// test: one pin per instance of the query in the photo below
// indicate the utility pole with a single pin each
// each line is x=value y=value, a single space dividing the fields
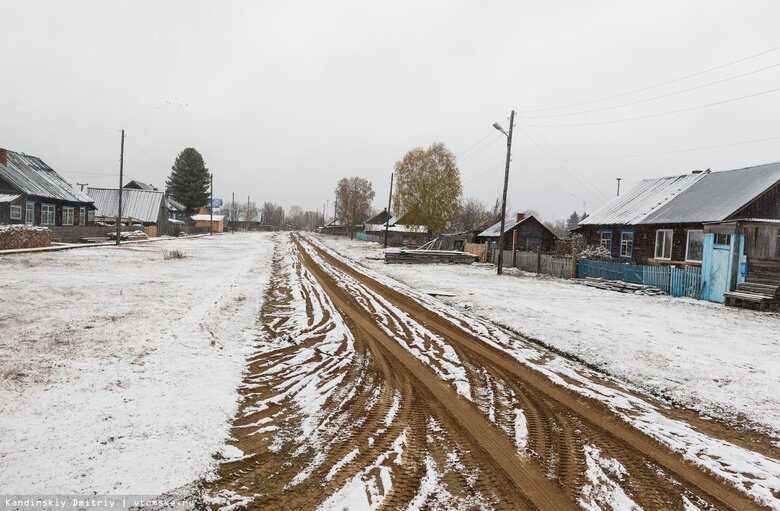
x=211 y=209
x=506 y=184
x=618 y=191
x=82 y=185
x=121 y=171
x=246 y=215
x=389 y=203
x=233 y=210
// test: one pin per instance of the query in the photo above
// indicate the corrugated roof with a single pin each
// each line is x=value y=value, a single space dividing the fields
x=142 y=205
x=717 y=196
x=641 y=201
x=31 y=176
x=174 y=205
x=8 y=197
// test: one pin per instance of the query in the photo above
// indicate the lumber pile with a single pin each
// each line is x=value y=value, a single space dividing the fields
x=429 y=257
x=23 y=236
x=619 y=286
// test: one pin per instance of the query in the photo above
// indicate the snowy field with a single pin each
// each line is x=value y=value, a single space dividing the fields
x=720 y=361
x=119 y=367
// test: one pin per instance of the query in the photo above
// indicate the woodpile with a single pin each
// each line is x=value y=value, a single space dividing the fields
x=620 y=286
x=23 y=236
x=429 y=257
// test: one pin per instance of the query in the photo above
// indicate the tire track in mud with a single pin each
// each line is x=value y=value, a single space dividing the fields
x=560 y=422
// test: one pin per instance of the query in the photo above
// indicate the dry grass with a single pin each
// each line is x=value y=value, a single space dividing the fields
x=173 y=254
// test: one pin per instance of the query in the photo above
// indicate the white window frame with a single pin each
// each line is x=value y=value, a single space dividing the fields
x=18 y=209
x=602 y=240
x=46 y=211
x=663 y=245
x=91 y=215
x=629 y=243
x=688 y=246
x=29 y=213
x=68 y=213
x=82 y=215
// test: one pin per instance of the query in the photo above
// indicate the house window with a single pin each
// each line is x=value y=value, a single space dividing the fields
x=82 y=215
x=663 y=244
x=16 y=212
x=695 y=246
x=605 y=239
x=29 y=213
x=533 y=244
x=47 y=214
x=67 y=215
x=626 y=243
x=722 y=239
x=91 y=216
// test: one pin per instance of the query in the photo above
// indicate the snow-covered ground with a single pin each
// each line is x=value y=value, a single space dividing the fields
x=119 y=367
x=720 y=361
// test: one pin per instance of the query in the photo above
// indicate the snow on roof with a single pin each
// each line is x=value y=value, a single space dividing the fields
x=31 y=176
x=142 y=205
x=206 y=218
x=495 y=230
x=718 y=195
x=8 y=197
x=647 y=197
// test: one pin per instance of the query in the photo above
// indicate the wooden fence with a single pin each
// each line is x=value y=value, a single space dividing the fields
x=535 y=262
x=478 y=249
x=676 y=281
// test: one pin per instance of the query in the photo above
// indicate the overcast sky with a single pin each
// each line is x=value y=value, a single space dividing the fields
x=284 y=98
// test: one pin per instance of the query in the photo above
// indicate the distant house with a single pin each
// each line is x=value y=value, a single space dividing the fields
x=139 y=207
x=137 y=185
x=400 y=232
x=726 y=223
x=176 y=210
x=33 y=193
x=526 y=233
x=216 y=223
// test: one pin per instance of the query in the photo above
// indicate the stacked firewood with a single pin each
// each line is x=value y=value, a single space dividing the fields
x=23 y=236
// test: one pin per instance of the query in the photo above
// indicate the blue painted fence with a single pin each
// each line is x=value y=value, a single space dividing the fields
x=672 y=280
x=367 y=237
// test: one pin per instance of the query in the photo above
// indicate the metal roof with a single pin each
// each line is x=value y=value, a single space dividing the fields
x=206 y=218
x=31 y=176
x=173 y=205
x=139 y=185
x=641 y=201
x=717 y=196
x=142 y=205
x=8 y=197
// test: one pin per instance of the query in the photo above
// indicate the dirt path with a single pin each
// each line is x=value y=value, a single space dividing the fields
x=361 y=397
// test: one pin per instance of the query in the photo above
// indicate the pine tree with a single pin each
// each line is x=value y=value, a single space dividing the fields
x=573 y=221
x=189 y=180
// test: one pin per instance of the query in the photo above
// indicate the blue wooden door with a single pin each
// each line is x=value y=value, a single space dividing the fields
x=719 y=272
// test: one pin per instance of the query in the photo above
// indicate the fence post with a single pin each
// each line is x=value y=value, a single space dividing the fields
x=514 y=247
x=574 y=264
x=538 y=260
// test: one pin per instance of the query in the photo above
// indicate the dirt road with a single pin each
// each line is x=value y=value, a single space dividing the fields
x=362 y=397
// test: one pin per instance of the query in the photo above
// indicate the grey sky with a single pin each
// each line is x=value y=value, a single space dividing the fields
x=284 y=98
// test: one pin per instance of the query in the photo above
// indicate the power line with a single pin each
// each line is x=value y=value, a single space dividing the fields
x=479 y=153
x=642 y=89
x=593 y=190
x=649 y=116
x=658 y=153
x=42 y=114
x=475 y=144
x=689 y=89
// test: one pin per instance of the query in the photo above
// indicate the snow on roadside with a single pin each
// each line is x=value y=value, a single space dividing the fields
x=602 y=489
x=118 y=368
x=716 y=360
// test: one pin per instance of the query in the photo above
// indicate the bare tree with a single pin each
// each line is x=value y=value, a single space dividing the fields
x=471 y=216
x=271 y=214
x=428 y=187
x=353 y=201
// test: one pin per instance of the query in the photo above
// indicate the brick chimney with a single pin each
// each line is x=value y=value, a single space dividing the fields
x=520 y=216
x=3 y=157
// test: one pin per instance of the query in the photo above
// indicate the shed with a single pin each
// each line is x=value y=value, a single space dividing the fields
x=525 y=233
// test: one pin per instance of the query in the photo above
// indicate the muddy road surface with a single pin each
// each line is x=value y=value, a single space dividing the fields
x=363 y=395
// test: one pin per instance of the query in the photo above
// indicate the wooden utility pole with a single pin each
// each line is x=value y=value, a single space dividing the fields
x=246 y=215
x=514 y=247
x=82 y=185
x=232 y=211
x=618 y=191
x=121 y=177
x=211 y=209
x=503 y=200
x=389 y=203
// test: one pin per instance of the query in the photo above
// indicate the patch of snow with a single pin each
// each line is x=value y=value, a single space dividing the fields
x=602 y=489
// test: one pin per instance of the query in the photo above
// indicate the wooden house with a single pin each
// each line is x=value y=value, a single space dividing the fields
x=723 y=222
x=400 y=232
x=204 y=219
x=33 y=193
x=526 y=233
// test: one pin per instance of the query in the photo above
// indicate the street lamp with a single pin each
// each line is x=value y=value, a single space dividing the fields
x=506 y=183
